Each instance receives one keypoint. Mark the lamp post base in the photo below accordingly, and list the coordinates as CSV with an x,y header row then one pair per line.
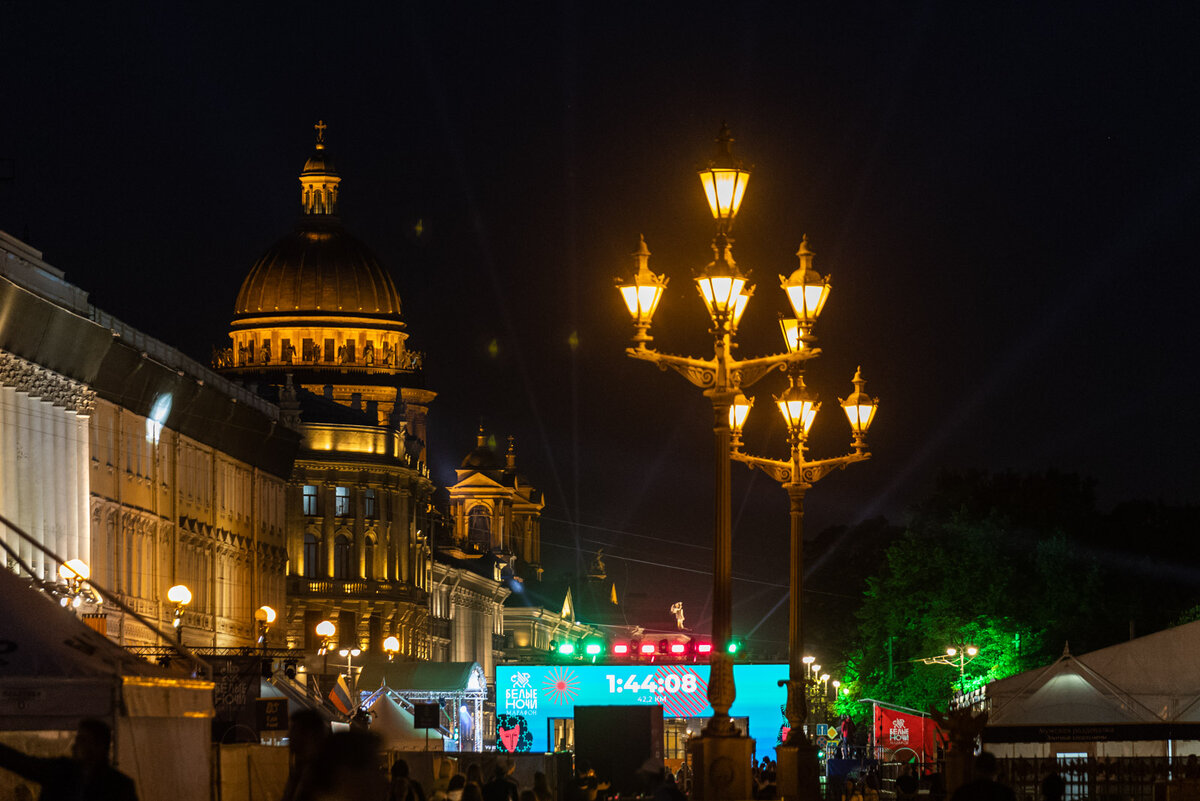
x,y
721,768
797,776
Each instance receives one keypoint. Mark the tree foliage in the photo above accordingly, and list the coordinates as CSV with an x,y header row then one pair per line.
x,y
993,561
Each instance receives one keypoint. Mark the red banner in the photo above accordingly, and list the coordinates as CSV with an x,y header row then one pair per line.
x,y
903,733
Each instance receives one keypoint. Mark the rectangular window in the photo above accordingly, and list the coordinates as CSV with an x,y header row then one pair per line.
x,y
341,506
329,350
310,499
308,350
349,351
369,504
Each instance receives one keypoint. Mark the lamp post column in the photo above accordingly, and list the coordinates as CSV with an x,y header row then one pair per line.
x,y
798,779
721,690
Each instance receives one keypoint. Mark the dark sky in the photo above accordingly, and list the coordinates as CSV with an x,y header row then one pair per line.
x,y
1005,198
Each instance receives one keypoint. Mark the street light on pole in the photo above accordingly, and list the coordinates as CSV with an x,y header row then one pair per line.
x,y
264,616
807,292
956,656
181,596
724,291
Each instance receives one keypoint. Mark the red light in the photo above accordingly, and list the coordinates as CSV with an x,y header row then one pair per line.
x,y
678,648
704,648
648,648
621,648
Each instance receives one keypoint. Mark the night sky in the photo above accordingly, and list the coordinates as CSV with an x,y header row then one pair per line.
x,y
1005,199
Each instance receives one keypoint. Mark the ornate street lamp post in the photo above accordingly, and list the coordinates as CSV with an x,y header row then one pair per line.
x,y
807,291
956,656
720,755
264,616
181,596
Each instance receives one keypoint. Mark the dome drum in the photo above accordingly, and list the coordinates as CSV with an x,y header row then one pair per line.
x,y
344,348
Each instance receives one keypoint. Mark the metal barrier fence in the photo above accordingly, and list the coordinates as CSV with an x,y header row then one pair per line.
x,y
1086,778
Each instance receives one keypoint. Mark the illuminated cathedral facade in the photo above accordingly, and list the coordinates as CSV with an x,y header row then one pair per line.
x,y
317,328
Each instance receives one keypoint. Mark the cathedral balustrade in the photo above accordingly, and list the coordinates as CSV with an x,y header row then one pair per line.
x,y
351,588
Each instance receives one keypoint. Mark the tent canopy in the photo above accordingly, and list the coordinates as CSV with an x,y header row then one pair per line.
x,y
1145,688
395,726
424,677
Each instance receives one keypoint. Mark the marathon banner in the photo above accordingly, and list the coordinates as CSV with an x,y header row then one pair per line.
x,y
903,733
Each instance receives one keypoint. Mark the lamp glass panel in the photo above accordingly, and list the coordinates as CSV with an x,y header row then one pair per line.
x,y
796,412
738,411
720,292
629,293
739,307
808,300
791,334
860,416
810,414
724,187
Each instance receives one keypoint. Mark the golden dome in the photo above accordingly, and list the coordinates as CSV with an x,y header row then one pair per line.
x,y
319,268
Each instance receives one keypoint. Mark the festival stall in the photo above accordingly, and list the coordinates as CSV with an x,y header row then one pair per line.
x,y
1137,698
56,671
458,688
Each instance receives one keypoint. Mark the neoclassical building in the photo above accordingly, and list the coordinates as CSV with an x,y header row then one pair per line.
x,y
317,328
120,451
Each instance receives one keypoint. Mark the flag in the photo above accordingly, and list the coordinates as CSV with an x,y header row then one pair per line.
x,y
339,696
900,732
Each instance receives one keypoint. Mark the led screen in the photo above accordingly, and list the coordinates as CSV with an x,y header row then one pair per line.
x,y
537,694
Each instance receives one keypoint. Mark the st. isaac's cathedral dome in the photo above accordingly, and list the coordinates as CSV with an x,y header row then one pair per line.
x,y
319,267
319,306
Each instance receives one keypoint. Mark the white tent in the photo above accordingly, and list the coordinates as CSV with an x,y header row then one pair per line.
x,y
395,726
55,671
1145,691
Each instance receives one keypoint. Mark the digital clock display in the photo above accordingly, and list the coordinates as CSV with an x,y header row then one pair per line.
x,y
670,683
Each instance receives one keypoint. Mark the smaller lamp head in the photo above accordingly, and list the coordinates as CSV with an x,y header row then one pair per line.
x,y
643,292
799,407
972,650
951,651
738,411
724,181
806,289
793,334
860,409
721,285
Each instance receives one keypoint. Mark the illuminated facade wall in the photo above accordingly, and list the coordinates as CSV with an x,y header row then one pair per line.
x,y
357,546
136,459
43,463
167,509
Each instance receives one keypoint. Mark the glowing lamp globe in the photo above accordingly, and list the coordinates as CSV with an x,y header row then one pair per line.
x,y
74,570
265,614
179,594
326,629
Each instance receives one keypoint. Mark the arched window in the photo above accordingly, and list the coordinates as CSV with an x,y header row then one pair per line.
x,y
312,555
342,548
369,556
479,528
